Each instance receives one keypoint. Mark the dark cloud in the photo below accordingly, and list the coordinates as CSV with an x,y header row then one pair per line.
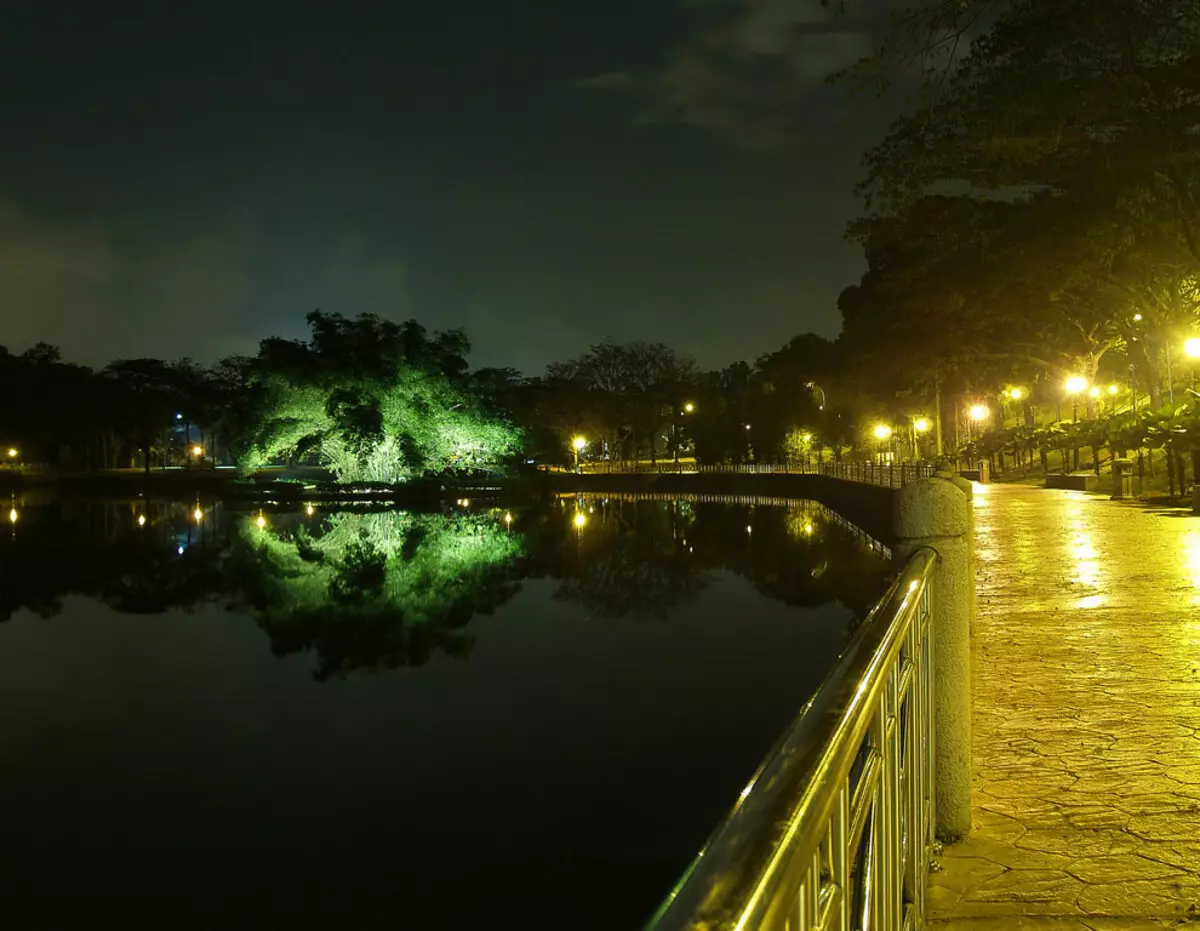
x,y
609,81
749,67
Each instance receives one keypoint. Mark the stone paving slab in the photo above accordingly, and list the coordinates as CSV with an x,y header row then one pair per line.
x,y
1087,719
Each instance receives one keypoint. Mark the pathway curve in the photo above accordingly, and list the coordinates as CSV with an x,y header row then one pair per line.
x,y
1087,719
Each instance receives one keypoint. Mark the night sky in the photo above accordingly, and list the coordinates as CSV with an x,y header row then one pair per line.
x,y
183,178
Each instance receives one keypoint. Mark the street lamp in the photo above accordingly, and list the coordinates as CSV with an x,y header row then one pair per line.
x,y
1191,349
12,452
882,432
1076,385
578,444
197,451
689,407
815,387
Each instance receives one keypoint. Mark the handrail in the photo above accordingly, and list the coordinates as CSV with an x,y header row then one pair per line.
x,y
887,474
835,830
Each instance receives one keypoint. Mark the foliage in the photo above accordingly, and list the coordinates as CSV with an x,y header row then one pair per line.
x,y
372,402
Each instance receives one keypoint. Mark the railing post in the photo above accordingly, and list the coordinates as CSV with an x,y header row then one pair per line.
x,y
938,513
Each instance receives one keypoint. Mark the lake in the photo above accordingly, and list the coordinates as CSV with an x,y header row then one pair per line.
x,y
532,715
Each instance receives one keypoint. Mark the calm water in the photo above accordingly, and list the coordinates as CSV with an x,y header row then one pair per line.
x,y
224,717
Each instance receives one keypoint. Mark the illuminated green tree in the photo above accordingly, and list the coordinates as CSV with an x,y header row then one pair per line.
x,y
372,401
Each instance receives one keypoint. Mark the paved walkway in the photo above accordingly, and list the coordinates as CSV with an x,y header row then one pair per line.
x,y
1087,720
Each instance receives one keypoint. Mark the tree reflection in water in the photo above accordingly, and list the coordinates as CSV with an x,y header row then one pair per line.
x,y
377,591
374,591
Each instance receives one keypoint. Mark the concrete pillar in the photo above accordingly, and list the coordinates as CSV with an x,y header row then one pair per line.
x,y
938,513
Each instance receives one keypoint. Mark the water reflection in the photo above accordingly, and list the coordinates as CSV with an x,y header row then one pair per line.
x,y
364,591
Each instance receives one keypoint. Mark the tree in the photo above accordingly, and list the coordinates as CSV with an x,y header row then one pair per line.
x,y
372,402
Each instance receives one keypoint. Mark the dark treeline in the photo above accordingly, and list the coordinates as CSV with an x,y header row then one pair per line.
x,y
358,383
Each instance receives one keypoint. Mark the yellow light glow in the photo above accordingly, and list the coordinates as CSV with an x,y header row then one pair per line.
x,y
508,518
1137,318
580,520
807,438
466,502
1076,384
1191,349
12,516
309,510
1016,394
141,520
749,529
579,442
689,407
197,450
747,426
808,529
1113,389
261,522
198,514
1094,392
12,453
882,431
979,412
1191,557
922,425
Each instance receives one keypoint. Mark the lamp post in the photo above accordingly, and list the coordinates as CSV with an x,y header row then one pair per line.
x,y
688,408
1075,386
920,425
1191,349
882,433
578,444
812,385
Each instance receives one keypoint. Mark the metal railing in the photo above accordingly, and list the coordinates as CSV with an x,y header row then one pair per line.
x,y
888,474
835,830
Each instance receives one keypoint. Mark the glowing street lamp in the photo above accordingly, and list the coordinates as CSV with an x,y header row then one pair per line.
x,y
1076,385
580,520
1191,349
979,412
1112,390
1016,394
1093,392
922,425
12,516
1137,318
198,514
141,520
578,444
689,407
882,432
197,451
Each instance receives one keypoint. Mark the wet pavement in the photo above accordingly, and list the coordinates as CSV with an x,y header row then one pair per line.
x,y
1087,719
